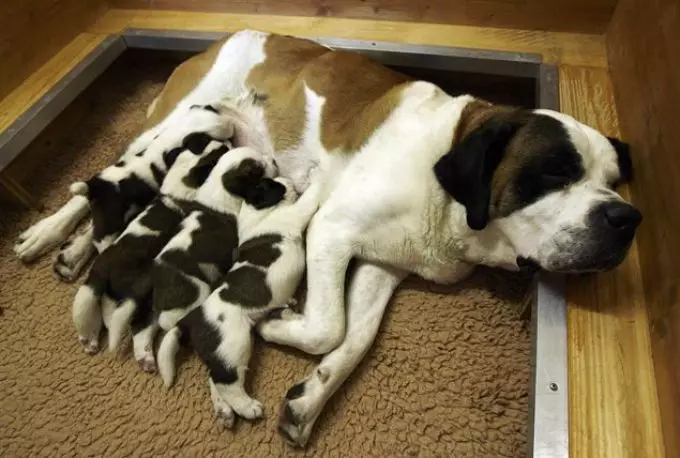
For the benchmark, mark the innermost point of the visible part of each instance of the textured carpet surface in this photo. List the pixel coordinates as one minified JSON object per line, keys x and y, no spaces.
{"x":448,"y":375}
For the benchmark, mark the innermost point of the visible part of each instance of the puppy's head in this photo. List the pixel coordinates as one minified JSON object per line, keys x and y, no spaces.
{"x":192,"y":165}
{"x":248,"y":174}
{"x":546,"y":181}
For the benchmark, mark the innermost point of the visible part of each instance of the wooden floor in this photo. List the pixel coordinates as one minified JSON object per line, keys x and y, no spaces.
{"x":613,"y":404}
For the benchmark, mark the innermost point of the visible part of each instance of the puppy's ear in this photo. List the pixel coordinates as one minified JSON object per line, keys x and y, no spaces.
{"x":197,"y":142}
{"x":199,"y":172}
{"x":466,"y":171}
{"x":266,"y":193}
{"x":623,"y":158}
{"x":169,"y":157}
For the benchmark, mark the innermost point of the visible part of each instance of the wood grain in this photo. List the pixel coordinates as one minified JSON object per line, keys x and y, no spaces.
{"x":612,"y":393}
{"x":589,"y":16}
{"x":556,"y":47}
{"x":32,"y":31}
{"x":36,"y":85}
{"x":645,"y":69}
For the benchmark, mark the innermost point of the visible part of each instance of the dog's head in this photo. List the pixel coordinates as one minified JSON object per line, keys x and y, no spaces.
{"x":546,"y":181}
{"x":248,"y":174}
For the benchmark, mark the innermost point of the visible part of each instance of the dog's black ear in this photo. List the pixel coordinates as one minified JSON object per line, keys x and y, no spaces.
{"x":197,"y":142}
{"x":266,"y":194}
{"x":199,"y":172}
{"x":623,"y":158}
{"x":242,"y":179}
{"x":466,"y":171}
{"x":169,"y":157}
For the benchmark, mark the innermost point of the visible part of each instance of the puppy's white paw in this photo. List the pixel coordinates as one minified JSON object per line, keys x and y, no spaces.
{"x":90,"y":345}
{"x":225,"y":416}
{"x":73,"y":257}
{"x":250,"y":409}
{"x":147,"y":364}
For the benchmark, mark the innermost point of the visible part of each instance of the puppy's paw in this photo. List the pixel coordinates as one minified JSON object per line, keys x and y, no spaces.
{"x":225,"y":416}
{"x":147,"y":364}
{"x":283,"y":313}
{"x":90,"y":345}
{"x":73,"y":257}
{"x":250,"y":410}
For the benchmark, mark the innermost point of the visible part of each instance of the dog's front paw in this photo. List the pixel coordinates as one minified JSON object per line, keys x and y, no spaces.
{"x":302,"y":406}
{"x":294,"y":424}
{"x":41,"y":238}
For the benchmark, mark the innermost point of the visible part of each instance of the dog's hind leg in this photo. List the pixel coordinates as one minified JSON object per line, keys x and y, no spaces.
{"x":223,"y":411}
{"x":74,"y":255}
{"x":51,"y":231}
{"x":119,"y":321}
{"x":87,"y":315}
{"x":229,"y":362}
{"x":142,"y":344}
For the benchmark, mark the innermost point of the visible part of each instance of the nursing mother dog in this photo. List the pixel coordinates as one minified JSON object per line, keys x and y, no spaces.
{"x":415,"y":181}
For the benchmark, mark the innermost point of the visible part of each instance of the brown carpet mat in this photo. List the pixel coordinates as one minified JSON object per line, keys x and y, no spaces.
{"x":448,"y":375}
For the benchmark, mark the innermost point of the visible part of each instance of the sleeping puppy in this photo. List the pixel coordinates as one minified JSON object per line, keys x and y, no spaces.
{"x":203,"y":249}
{"x":120,"y":277}
{"x":119,"y":192}
{"x":268,"y":269}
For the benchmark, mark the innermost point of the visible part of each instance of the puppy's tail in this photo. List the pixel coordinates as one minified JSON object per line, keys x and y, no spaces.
{"x":167,"y":354}
{"x":79,"y":188}
{"x":120,"y":321}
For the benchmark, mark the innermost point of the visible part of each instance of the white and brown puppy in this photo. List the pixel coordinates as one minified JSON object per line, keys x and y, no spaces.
{"x":204,"y":247}
{"x":121,"y":277}
{"x":268,"y":269}
{"x":415,"y":181}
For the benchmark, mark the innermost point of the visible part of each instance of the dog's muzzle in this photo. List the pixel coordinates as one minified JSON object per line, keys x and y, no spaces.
{"x":604,"y":242}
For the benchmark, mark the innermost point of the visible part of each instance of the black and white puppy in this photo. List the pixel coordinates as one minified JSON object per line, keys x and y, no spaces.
{"x":269,"y":266}
{"x":119,"y":192}
{"x":120,"y":277}
{"x":203,"y":249}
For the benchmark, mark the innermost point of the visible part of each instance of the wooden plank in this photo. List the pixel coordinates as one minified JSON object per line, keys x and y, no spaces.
{"x":556,"y":47}
{"x":35,"y":86}
{"x":31,"y":31}
{"x":613,"y":402}
{"x":589,"y":16}
{"x":644,"y":47}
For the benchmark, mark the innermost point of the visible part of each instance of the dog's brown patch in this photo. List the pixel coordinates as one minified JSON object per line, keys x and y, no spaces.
{"x":182,"y":81}
{"x":277,"y":85}
{"x":354,"y":106}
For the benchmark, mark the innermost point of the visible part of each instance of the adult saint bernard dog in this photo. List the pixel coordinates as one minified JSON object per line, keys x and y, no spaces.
{"x":415,"y":181}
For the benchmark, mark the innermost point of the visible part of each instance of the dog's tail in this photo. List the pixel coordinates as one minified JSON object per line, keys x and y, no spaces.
{"x":79,"y":188}
{"x":167,"y":354}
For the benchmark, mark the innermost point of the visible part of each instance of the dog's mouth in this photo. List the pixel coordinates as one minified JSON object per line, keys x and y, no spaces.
{"x":588,"y":258}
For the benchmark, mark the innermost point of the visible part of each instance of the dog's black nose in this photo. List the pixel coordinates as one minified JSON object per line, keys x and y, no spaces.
{"x":621,"y":215}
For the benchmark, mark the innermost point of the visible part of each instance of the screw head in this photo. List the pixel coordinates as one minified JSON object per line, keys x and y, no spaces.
{"x":553,"y":386}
